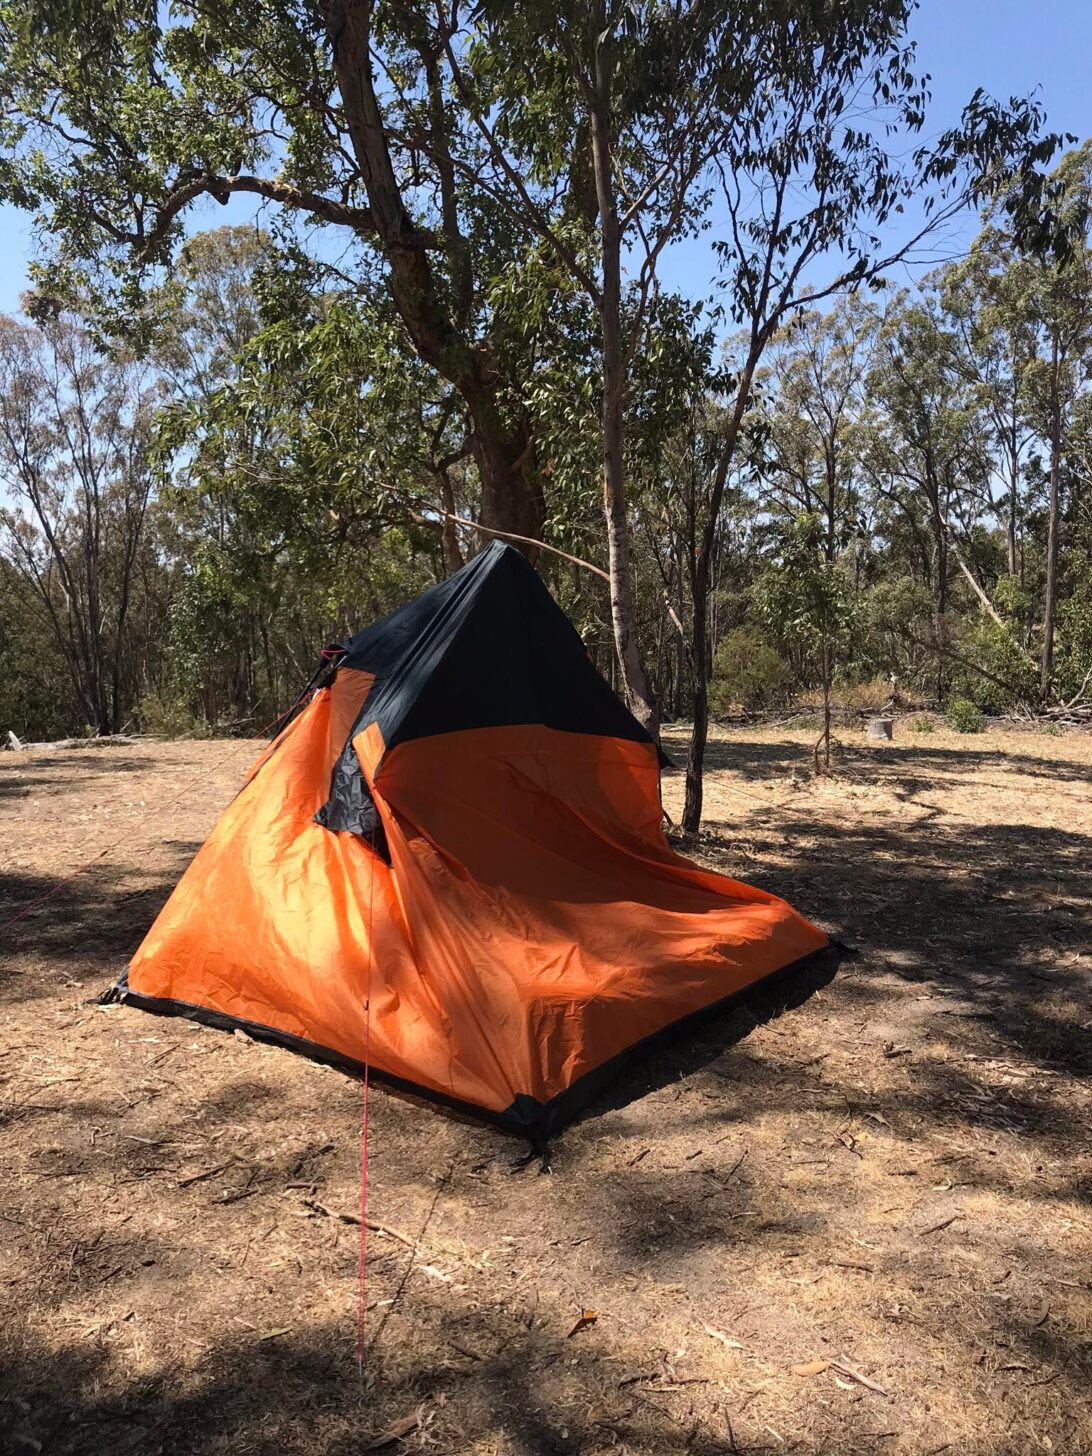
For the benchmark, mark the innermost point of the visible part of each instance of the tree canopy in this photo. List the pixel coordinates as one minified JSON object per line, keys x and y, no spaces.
{"x":455,"y":316}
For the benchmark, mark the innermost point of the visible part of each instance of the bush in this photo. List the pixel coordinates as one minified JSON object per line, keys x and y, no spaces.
{"x":1074,"y":654}
{"x":168,"y":716}
{"x":865,"y":697}
{"x":998,"y":651}
{"x":748,"y":672}
{"x":922,"y":723}
{"x":964,"y":716}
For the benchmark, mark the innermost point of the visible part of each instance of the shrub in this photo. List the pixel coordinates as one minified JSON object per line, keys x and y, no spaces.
{"x":921,"y":723}
{"x":1074,"y":654}
{"x":997,"y":650}
{"x":866,"y":697}
{"x":963,"y":715}
{"x":167,"y":715}
{"x":748,"y":671}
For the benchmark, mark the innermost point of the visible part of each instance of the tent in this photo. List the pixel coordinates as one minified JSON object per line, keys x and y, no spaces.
{"x":451,"y":864}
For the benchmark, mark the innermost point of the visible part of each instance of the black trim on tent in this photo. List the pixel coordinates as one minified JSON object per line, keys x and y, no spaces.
{"x":527,"y":1116}
{"x":206,"y":1016}
{"x":567,"y":1105}
{"x":489,"y":647}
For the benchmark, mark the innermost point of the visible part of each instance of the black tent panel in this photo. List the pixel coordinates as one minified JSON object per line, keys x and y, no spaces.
{"x":487,"y":648}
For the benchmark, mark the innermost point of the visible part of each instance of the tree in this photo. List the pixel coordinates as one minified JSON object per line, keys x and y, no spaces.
{"x":301,"y":429}
{"x":660,"y":95}
{"x":37,"y":698}
{"x":813,"y":421}
{"x":119,"y":120}
{"x":761,"y":98}
{"x":984,"y":298}
{"x":923,"y":456}
{"x":805,"y":183}
{"x":75,"y":434}
{"x":807,"y":601}
{"x":436,"y":142}
{"x":1059,"y":297}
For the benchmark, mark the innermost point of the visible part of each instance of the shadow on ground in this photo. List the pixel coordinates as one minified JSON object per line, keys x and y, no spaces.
{"x":758,"y":760}
{"x":743,"y":1178}
{"x":84,"y":927}
{"x":46,"y":779}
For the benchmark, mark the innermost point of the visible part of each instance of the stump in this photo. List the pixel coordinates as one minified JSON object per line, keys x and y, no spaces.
{"x":881,"y":727}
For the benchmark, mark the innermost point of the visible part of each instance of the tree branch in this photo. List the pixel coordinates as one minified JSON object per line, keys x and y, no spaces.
{"x":512,"y":536}
{"x":358,"y":218}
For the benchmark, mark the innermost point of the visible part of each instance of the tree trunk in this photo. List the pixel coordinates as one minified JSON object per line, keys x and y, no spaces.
{"x":1014,"y":502}
{"x":695,"y":757}
{"x":700,"y":577}
{"x":824,"y":741}
{"x":449,"y":535}
{"x":1050,"y":602}
{"x":941,"y":589}
{"x":1051,"y":588}
{"x":512,"y":497}
{"x":622,"y":604}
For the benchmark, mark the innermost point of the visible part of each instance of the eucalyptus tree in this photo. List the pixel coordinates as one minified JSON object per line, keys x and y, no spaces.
{"x":985,"y":300}
{"x":922,"y":454}
{"x":1057,"y":296}
{"x":766,"y":106}
{"x":430,"y":141}
{"x":812,"y":173}
{"x":807,"y":600}
{"x":119,"y":120}
{"x":813,"y":408}
{"x":656,"y":93}
{"x":76,"y":471}
{"x":300,"y":433}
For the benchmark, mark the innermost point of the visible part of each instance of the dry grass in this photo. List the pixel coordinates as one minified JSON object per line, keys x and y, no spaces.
{"x":894,"y":1173}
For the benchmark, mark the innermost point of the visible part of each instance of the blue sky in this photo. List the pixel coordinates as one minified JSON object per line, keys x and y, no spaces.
{"x":1009,"y":47}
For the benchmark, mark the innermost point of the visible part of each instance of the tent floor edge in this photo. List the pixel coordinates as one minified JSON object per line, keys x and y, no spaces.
{"x":568,"y":1105}
{"x":507,"y":1121}
{"x":527,"y":1117}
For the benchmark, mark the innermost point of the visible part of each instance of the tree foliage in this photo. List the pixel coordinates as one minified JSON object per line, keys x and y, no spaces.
{"x":453,"y":318}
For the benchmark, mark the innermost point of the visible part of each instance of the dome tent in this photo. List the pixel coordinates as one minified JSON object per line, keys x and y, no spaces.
{"x":461,"y":830}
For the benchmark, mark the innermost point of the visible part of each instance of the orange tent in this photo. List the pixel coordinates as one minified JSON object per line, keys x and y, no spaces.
{"x":461,"y":831}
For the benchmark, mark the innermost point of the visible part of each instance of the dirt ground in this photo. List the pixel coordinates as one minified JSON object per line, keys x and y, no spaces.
{"x":857,"y":1219}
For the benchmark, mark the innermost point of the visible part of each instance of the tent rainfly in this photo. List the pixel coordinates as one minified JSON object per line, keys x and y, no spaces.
{"x":455,"y":850}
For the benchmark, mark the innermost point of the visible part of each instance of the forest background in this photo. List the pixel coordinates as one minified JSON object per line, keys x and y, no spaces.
{"x":785,"y":390}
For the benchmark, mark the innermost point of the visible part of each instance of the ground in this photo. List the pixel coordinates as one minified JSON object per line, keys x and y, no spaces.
{"x":856,"y":1218}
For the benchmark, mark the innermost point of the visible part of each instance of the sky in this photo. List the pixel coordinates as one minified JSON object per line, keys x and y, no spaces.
{"x":1008,"y":47}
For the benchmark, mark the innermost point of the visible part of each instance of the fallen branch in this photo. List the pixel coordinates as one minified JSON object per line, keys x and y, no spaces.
{"x":511,"y":536}
{"x":966,"y":662}
{"x":105,"y":740}
{"x":935,"y":1228}
{"x":375,"y":1227}
{"x":200,"y":1177}
{"x":843,"y":1367}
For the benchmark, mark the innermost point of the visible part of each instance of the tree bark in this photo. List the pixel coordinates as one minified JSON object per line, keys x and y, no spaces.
{"x":824,"y":741}
{"x":695,"y":757}
{"x":703,"y":562}
{"x":501,"y":443}
{"x":940,"y":537}
{"x":1014,"y":501}
{"x":622,"y":603}
{"x":1050,"y":602}
{"x":449,"y":536}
